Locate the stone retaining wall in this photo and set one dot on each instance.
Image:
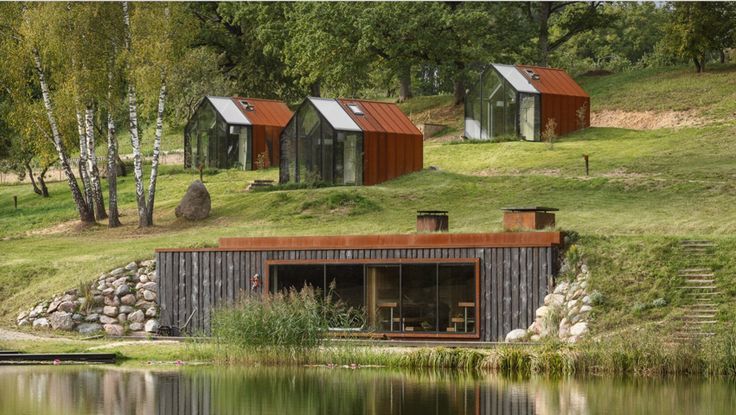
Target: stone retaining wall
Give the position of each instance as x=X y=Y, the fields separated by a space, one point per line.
x=122 y=301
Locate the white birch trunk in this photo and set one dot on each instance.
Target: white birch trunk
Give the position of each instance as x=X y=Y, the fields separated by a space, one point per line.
x=112 y=155
x=134 y=138
x=83 y=171
x=92 y=170
x=156 y=148
x=85 y=214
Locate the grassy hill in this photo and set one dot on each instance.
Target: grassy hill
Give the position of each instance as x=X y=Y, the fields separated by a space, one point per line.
x=646 y=190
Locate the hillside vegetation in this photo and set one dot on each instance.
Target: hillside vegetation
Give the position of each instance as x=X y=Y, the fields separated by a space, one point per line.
x=646 y=191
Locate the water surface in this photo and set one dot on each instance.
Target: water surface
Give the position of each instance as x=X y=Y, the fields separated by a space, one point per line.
x=207 y=390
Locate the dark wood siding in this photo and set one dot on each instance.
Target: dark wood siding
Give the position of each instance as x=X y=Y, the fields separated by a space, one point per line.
x=513 y=281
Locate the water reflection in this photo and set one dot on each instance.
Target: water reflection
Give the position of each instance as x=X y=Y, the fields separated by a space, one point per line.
x=98 y=390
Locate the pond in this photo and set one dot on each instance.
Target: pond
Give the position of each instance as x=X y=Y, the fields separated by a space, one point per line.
x=208 y=390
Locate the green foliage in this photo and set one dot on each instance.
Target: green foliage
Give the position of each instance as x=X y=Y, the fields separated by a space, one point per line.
x=352 y=202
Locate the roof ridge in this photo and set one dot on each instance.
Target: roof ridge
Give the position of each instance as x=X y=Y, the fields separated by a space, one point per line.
x=552 y=68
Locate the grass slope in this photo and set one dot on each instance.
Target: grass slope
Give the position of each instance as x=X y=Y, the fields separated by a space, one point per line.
x=647 y=189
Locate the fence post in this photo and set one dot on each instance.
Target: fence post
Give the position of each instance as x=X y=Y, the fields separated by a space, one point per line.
x=15 y=202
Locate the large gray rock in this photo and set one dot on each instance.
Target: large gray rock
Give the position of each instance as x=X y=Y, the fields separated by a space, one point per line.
x=122 y=290
x=126 y=309
x=149 y=295
x=196 y=203
x=89 y=328
x=108 y=320
x=150 y=286
x=136 y=326
x=136 y=317
x=151 y=326
x=120 y=281
x=61 y=320
x=67 y=306
x=93 y=317
x=516 y=335
x=40 y=323
x=114 y=330
x=110 y=311
x=579 y=329
x=131 y=267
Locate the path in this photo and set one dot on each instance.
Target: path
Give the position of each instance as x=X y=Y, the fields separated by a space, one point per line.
x=700 y=285
x=10 y=335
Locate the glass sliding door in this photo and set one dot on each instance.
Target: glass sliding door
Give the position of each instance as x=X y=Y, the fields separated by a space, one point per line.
x=419 y=297
x=528 y=117
x=383 y=297
x=456 y=286
x=245 y=148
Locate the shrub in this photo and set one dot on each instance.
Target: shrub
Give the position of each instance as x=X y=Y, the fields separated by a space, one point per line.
x=596 y=298
x=549 y=134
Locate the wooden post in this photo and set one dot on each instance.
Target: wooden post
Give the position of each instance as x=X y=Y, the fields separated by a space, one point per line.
x=201 y=170
x=587 y=169
x=15 y=202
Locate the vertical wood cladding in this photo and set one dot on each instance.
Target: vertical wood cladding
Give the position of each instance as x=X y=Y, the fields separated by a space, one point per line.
x=513 y=281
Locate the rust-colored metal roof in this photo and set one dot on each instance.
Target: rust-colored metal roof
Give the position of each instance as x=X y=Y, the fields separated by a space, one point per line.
x=382 y=117
x=552 y=81
x=264 y=111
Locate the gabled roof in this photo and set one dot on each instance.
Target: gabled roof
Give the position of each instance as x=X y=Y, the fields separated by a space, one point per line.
x=264 y=111
x=229 y=110
x=385 y=117
x=251 y=111
x=334 y=114
x=515 y=78
x=552 y=81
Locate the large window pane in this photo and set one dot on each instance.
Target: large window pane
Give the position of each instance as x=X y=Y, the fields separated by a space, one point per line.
x=457 y=292
x=284 y=277
x=383 y=297
x=419 y=297
x=346 y=283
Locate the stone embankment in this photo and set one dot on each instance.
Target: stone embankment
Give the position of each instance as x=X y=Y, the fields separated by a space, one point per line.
x=122 y=301
x=564 y=315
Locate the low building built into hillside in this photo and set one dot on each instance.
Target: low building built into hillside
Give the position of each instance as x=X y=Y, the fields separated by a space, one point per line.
x=417 y=286
x=235 y=132
x=521 y=101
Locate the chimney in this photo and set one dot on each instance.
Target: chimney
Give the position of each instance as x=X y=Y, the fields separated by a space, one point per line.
x=432 y=221
x=528 y=218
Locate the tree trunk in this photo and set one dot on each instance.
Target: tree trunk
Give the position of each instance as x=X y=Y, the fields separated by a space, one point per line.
x=156 y=149
x=112 y=157
x=92 y=170
x=42 y=181
x=121 y=163
x=723 y=55
x=36 y=189
x=85 y=213
x=458 y=91
x=134 y=139
x=405 y=84
x=315 y=88
x=83 y=168
x=545 y=9
x=698 y=68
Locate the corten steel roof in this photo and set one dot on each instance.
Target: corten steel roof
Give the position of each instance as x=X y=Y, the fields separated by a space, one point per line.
x=418 y=240
x=383 y=117
x=553 y=81
x=264 y=111
x=515 y=78
x=229 y=110
x=334 y=114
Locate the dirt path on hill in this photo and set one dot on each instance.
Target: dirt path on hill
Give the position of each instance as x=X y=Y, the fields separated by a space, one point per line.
x=645 y=120
x=11 y=335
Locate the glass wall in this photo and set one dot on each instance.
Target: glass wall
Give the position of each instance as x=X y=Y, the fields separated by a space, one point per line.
x=311 y=150
x=529 y=117
x=214 y=143
x=396 y=298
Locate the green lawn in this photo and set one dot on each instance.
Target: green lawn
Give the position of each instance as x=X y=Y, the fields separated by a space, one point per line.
x=646 y=190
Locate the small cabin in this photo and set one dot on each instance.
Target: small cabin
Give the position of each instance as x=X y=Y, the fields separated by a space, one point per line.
x=349 y=142
x=521 y=101
x=235 y=132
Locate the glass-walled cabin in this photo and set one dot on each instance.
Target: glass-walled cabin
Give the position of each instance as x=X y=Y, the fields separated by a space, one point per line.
x=427 y=297
x=321 y=144
x=214 y=142
x=495 y=108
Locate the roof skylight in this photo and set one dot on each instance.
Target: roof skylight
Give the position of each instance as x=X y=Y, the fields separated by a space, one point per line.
x=355 y=109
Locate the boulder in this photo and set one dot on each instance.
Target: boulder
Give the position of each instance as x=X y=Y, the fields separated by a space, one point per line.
x=108 y=320
x=149 y=295
x=150 y=286
x=126 y=309
x=128 y=299
x=152 y=277
x=23 y=322
x=114 y=330
x=196 y=203
x=151 y=326
x=61 y=320
x=543 y=311
x=92 y=317
x=40 y=323
x=151 y=312
x=143 y=279
x=579 y=329
x=122 y=318
x=53 y=306
x=108 y=291
x=136 y=326
x=554 y=300
x=77 y=317
x=89 y=328
x=117 y=271
x=122 y=290
x=585 y=308
x=22 y=316
x=131 y=267
x=111 y=311
x=561 y=287
x=120 y=281
x=586 y=300
x=516 y=335
x=136 y=317
x=98 y=299
x=67 y=306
